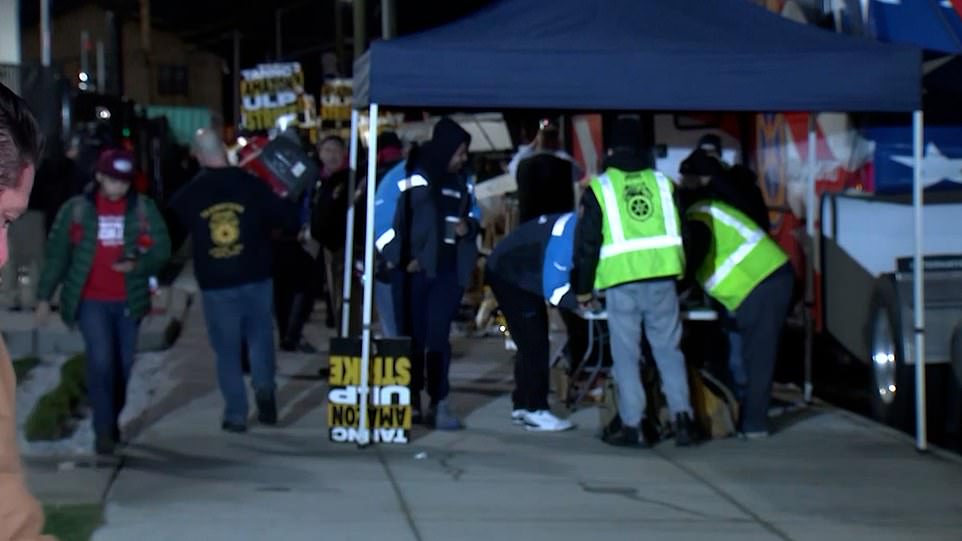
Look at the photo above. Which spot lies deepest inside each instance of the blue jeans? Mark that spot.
(234, 316)
(110, 340)
(432, 304)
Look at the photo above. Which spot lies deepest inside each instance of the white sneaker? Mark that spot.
(545, 421)
(517, 417)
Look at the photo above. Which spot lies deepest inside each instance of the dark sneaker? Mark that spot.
(444, 418)
(288, 346)
(105, 445)
(266, 408)
(624, 436)
(234, 428)
(684, 430)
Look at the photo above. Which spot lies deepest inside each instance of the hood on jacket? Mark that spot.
(434, 156)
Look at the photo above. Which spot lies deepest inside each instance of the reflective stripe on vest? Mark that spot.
(619, 245)
(641, 231)
(741, 257)
(750, 239)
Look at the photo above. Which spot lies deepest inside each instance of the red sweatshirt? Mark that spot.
(104, 283)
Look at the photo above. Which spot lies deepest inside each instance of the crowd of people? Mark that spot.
(636, 238)
(628, 240)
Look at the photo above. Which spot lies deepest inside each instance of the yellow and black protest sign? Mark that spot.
(388, 394)
(268, 92)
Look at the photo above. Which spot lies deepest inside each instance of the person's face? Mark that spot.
(332, 155)
(459, 159)
(113, 189)
(13, 203)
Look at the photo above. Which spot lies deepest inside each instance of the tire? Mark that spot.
(953, 409)
(890, 380)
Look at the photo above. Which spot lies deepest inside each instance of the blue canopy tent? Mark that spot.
(933, 25)
(723, 55)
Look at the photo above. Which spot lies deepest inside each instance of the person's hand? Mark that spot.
(414, 266)
(587, 302)
(462, 228)
(123, 267)
(41, 313)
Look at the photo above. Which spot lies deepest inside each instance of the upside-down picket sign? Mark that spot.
(388, 395)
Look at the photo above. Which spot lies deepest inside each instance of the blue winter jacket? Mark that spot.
(537, 257)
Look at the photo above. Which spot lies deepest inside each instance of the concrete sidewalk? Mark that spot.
(828, 475)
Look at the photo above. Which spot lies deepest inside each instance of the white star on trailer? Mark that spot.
(936, 167)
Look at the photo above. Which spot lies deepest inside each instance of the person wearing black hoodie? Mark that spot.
(437, 222)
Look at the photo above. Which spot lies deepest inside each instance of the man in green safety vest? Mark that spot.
(628, 243)
(743, 269)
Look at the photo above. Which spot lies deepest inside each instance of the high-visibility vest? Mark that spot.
(741, 256)
(642, 237)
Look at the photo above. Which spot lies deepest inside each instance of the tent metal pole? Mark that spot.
(918, 280)
(349, 239)
(368, 270)
(810, 201)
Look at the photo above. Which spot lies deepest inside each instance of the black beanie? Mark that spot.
(701, 164)
(626, 134)
(389, 139)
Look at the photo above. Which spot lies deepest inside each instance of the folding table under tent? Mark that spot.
(622, 55)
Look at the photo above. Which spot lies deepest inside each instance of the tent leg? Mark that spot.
(810, 202)
(364, 438)
(349, 239)
(918, 279)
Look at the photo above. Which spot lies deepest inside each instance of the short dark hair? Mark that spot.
(333, 139)
(21, 142)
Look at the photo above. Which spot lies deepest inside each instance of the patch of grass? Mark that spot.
(73, 522)
(50, 418)
(23, 366)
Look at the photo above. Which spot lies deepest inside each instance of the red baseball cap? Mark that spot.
(117, 164)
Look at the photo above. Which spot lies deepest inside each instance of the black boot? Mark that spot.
(619, 435)
(266, 408)
(105, 444)
(685, 434)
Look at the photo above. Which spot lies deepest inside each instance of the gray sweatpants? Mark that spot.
(654, 304)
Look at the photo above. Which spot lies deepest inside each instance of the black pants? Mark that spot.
(759, 322)
(293, 290)
(425, 309)
(528, 323)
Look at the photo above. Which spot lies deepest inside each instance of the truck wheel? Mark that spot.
(890, 380)
(953, 414)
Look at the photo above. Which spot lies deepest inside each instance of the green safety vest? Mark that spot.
(741, 256)
(642, 237)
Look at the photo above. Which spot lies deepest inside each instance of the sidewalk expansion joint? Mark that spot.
(632, 494)
(405, 508)
(726, 496)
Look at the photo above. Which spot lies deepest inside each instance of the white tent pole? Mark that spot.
(810, 201)
(349, 239)
(918, 279)
(368, 266)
